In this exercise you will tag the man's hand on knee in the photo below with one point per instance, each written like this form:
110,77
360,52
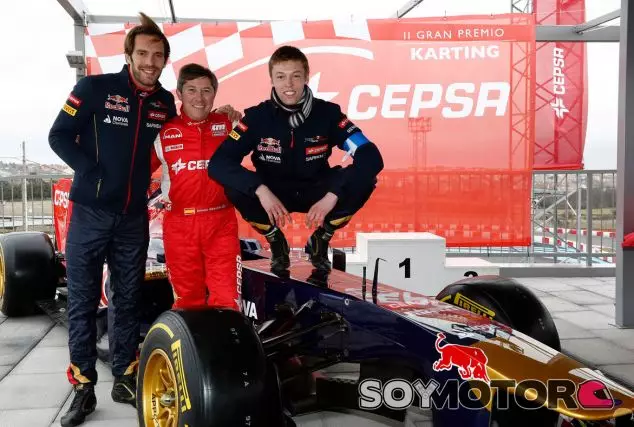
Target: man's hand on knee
273,206
317,213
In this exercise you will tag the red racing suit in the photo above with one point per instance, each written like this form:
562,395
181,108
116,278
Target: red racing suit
200,227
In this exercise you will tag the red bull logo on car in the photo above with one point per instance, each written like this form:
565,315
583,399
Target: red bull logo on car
470,361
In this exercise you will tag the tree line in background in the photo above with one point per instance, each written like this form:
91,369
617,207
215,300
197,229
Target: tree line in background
36,189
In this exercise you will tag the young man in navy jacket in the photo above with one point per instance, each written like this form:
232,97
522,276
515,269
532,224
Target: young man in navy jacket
291,137
105,133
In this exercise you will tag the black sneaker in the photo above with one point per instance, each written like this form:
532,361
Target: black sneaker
280,260
124,389
83,404
317,249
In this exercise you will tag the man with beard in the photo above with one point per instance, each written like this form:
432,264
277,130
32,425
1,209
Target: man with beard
105,133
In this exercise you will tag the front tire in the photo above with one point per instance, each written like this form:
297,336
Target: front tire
514,305
202,368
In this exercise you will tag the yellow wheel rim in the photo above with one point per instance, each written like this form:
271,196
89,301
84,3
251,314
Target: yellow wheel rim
1,275
160,392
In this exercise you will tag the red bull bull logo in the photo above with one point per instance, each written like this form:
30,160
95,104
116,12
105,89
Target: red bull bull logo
270,145
470,361
118,99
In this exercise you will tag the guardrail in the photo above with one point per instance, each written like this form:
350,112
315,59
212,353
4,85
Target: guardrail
573,215
26,202
574,221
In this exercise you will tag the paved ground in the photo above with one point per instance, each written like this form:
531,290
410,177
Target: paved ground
33,358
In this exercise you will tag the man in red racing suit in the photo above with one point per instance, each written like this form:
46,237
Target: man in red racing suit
200,228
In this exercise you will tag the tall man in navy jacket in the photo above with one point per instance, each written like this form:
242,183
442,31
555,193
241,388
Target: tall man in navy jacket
290,138
105,133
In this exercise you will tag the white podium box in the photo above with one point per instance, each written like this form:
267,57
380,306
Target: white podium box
457,267
414,262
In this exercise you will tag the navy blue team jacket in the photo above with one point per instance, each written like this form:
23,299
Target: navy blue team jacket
105,132
295,158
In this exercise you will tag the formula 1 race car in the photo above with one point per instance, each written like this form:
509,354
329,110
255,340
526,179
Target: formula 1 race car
483,352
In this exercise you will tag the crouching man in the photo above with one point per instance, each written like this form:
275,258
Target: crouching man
291,137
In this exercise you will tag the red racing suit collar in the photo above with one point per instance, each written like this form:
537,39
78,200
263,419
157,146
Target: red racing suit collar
188,121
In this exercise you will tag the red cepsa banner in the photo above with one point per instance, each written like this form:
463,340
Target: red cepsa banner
561,109
62,211
449,102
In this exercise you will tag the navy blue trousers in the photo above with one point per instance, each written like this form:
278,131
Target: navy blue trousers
95,236
296,198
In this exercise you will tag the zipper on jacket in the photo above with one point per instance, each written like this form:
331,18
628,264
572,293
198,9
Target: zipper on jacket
136,138
292,156
201,176
94,121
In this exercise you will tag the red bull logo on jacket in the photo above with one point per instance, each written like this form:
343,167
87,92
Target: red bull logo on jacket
470,361
270,145
118,99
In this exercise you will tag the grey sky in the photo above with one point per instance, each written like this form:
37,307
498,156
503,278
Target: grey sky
38,33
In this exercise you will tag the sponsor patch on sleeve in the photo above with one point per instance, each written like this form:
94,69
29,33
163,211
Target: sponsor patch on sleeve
235,135
74,100
355,141
242,126
69,110
344,122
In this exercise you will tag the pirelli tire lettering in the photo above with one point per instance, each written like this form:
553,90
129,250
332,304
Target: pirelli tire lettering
201,367
468,304
506,301
177,354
